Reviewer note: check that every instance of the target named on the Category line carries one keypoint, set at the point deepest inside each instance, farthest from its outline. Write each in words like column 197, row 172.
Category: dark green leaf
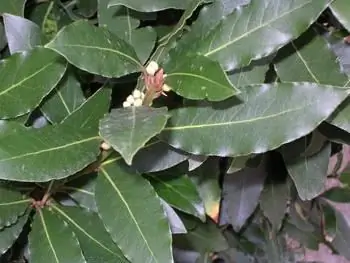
column 273, row 201
column 75, row 145
column 66, row 98
column 21, row 34
column 309, row 173
column 143, row 40
column 341, row 10
column 95, row 50
column 51, row 240
column 310, row 239
column 150, row 5
column 87, row 8
column 256, row 30
column 12, row 206
column 197, row 77
column 39, row 69
column 175, row 222
column 238, row 163
column 3, row 40
column 340, row 195
column 309, row 58
column 241, row 193
column 9, row 235
column 15, row 7
column 94, row 240
column 194, row 161
column 204, row 237
column 82, row 190
column 128, row 129
column 239, row 126
column 179, row 191
column 157, row 156
column 206, row 178
column 122, row 196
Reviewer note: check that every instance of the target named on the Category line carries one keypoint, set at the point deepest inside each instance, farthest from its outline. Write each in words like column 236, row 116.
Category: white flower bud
column 130, row 99
column 142, row 95
column 166, row 88
column 105, row 146
column 152, row 68
column 126, row 104
column 138, row 103
column 136, row 94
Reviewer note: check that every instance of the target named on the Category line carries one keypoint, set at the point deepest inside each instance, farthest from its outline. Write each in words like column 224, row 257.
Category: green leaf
column 309, row 58
column 95, row 50
column 238, row 163
column 12, row 206
column 255, row 31
column 178, row 190
column 22, row 154
column 206, row 179
column 143, row 40
column 66, row 98
column 128, row 129
column 175, row 222
column 51, row 240
column 121, row 196
column 341, row 10
column 309, row 239
column 203, row 237
column 15, row 7
column 273, row 201
column 157, row 156
column 241, row 193
column 9, row 235
column 3, row 40
column 39, row 69
column 238, row 126
column 150, row 5
column 340, row 195
column 309, row 173
column 87, row 8
column 194, row 161
column 197, row 77
column 22, row 34
column 82, row 191
column 94, row 240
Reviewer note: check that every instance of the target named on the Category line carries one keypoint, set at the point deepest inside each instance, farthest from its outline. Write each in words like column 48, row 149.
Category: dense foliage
column 167, row 131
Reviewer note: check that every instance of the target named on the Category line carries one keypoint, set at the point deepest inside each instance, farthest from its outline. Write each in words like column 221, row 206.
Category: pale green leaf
column 341, row 10
column 33, row 155
column 122, row 196
column 260, row 119
column 197, row 77
column 256, row 30
column 37, row 73
column 128, row 129
column 51, row 240
column 22, row 34
column 94, row 240
column 95, row 50
column 15, row 7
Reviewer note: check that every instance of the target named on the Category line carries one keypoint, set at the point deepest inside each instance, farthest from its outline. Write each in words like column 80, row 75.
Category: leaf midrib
column 254, row 29
column 47, row 235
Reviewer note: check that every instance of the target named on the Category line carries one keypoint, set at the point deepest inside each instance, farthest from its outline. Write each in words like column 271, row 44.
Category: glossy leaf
column 238, row 163
column 143, row 40
column 150, row 5
column 179, row 191
column 157, row 156
column 127, row 130
column 241, row 193
column 37, row 70
column 65, row 99
column 197, row 77
column 76, row 145
column 256, row 30
column 273, row 201
column 10, row 234
column 51, row 240
column 341, row 10
column 340, row 195
column 14, row 7
column 22, row 34
column 309, row 58
column 206, row 179
column 142, row 234
column 95, row 50
column 309, row 173
column 12, row 206
column 195, row 161
column 175, row 222
column 239, row 126
column 93, row 237
column 82, row 191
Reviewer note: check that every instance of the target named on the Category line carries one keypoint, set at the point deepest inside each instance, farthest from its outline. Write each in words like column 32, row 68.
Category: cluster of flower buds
column 153, row 69
column 135, row 99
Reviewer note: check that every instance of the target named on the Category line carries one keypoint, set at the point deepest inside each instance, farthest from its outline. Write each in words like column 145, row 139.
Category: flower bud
column 130, row 99
column 166, row 88
column 152, row 68
column 105, row 146
column 126, row 104
column 137, row 94
column 138, row 103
